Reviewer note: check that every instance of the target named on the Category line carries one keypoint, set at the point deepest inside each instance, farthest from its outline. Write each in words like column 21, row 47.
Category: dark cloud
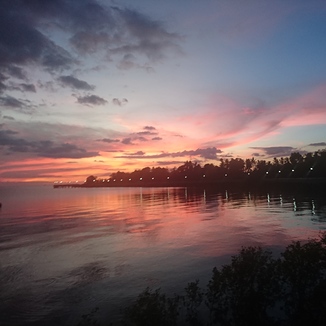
column 66, row 150
column 118, row 102
column 149, row 128
column 23, row 87
column 141, row 138
column 149, row 131
column 91, row 100
column 255, row 154
column 3, row 87
column 276, row 151
column 46, row 148
column 39, row 172
column 318, row 144
column 128, row 62
column 75, row 83
column 5, row 135
column 157, row 138
column 206, row 153
column 164, row 163
column 29, row 32
column 8, row 138
column 12, row 102
column 139, row 153
column 89, row 41
column 8, row 117
column 126, row 141
column 28, row 87
column 109, row 140
column 146, row 133
column 148, row 37
column 22, row 42
column 16, row 72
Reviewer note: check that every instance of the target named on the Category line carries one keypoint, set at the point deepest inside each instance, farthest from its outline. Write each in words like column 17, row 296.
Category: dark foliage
column 309, row 166
column 153, row 308
column 254, row 289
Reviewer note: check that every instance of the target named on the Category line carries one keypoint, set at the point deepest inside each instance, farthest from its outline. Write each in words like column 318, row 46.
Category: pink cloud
column 224, row 122
column 306, row 109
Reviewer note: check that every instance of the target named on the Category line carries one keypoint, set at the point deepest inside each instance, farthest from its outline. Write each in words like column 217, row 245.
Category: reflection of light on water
column 281, row 200
column 123, row 238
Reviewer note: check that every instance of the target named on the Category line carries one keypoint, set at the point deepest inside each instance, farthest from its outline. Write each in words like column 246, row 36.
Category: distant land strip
column 298, row 170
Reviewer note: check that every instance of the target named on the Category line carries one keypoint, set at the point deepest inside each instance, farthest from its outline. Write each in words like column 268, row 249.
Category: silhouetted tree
column 90, row 179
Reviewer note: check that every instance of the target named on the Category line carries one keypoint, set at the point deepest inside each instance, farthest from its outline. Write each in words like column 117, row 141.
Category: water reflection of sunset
column 124, row 239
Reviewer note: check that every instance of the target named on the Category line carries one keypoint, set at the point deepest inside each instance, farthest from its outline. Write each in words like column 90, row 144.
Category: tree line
column 310, row 165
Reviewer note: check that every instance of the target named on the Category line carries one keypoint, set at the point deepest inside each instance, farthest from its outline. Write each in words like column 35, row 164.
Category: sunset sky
column 97, row 86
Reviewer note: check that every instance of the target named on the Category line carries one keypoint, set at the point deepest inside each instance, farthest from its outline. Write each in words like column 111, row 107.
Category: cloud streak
column 206, row 153
column 91, row 100
column 321, row 144
column 276, row 151
column 75, row 83
column 43, row 148
column 118, row 102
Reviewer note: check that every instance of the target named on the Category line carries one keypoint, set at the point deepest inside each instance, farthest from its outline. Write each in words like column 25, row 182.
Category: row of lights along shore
column 114, row 180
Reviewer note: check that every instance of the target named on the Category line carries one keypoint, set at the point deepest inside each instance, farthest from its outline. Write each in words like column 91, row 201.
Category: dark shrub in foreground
column 254, row 289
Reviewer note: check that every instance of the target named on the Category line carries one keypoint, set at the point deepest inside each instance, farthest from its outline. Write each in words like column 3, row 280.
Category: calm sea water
column 64, row 252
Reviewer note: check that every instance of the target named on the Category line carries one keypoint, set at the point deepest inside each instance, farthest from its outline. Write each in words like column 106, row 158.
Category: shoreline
column 247, row 184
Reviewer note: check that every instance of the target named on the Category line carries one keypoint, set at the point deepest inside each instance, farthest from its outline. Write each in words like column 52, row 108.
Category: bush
column 254, row 289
